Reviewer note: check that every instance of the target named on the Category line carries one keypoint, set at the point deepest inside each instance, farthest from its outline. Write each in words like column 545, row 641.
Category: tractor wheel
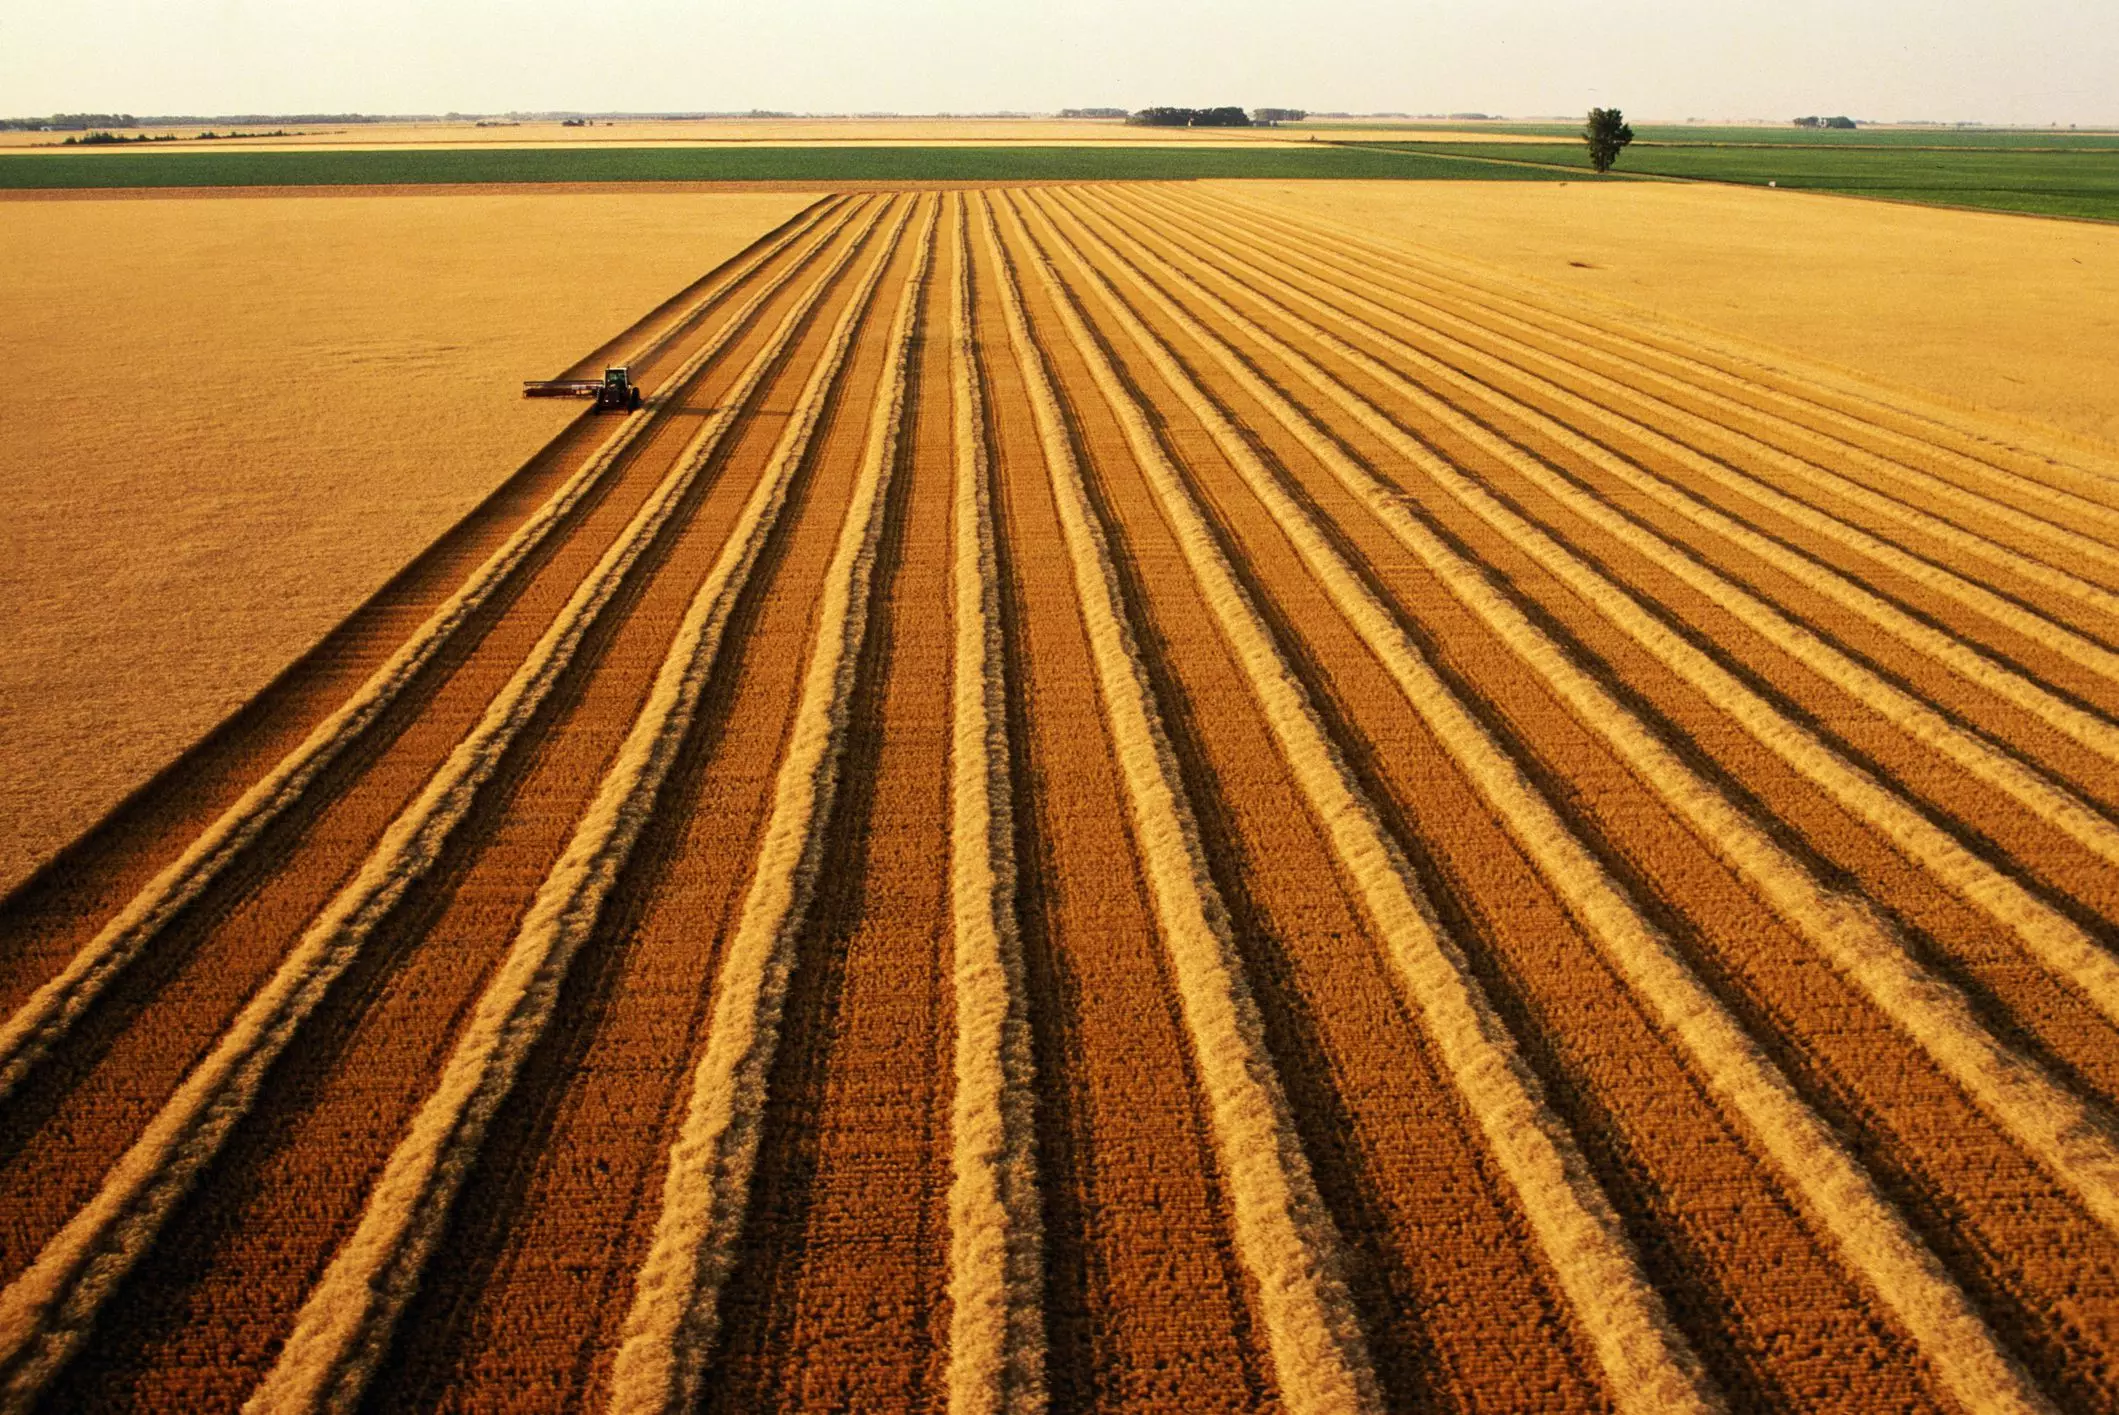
column 635, row 403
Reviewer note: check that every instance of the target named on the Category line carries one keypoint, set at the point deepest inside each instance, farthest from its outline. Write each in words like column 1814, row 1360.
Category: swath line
column 1647, row 1364
column 46, row 1312
column 676, row 1304
column 39, row 1023
column 996, row 1262
column 1869, row 1232
column 1284, row 1236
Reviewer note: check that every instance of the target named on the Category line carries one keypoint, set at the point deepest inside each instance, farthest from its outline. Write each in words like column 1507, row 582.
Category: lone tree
column 1606, row 132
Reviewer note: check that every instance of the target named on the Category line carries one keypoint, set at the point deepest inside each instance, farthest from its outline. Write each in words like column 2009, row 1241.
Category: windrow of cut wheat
column 1284, row 1236
column 42, row 1020
column 996, row 1269
column 1647, row 1362
column 706, row 1192
column 1842, row 1197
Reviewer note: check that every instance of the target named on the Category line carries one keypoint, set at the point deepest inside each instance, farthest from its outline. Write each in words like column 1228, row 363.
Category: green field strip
column 419, row 166
column 1688, row 135
column 2080, row 183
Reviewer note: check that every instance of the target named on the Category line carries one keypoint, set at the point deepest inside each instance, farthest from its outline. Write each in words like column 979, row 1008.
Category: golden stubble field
column 236, row 418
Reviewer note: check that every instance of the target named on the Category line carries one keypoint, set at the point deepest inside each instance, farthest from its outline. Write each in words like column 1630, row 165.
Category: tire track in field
column 38, row 1024
column 46, row 1310
column 676, row 1304
column 1898, row 1267
column 1647, row 1363
column 1857, row 411
column 1283, row 1233
column 2048, row 933
column 996, row 1333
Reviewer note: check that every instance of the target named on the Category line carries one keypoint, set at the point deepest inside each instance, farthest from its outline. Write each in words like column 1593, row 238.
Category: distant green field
column 1789, row 136
column 2044, row 182
column 266, row 168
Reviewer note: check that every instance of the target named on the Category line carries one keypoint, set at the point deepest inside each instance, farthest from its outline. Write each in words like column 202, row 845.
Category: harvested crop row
column 841, row 1297
column 2047, row 932
column 996, row 1332
column 1284, row 1236
column 37, row 1025
column 676, row 1303
column 1815, row 397
column 1646, row 1361
column 46, row 1311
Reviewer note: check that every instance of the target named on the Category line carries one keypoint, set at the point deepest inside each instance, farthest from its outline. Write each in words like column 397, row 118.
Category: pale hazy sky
column 2030, row 61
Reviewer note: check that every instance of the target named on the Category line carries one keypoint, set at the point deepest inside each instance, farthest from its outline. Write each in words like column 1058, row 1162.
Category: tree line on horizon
column 1230, row 117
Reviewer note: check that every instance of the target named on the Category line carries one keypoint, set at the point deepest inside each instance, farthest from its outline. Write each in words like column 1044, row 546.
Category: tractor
column 616, row 391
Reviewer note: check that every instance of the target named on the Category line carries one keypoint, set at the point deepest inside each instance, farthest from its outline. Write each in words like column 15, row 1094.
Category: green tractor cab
column 619, row 390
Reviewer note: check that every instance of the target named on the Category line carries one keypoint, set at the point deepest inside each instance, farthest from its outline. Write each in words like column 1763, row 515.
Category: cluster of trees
column 73, row 122
column 1190, row 118
column 100, row 136
column 1194, row 117
column 1843, row 121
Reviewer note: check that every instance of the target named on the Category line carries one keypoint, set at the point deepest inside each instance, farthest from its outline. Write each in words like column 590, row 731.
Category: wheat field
column 1128, row 797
